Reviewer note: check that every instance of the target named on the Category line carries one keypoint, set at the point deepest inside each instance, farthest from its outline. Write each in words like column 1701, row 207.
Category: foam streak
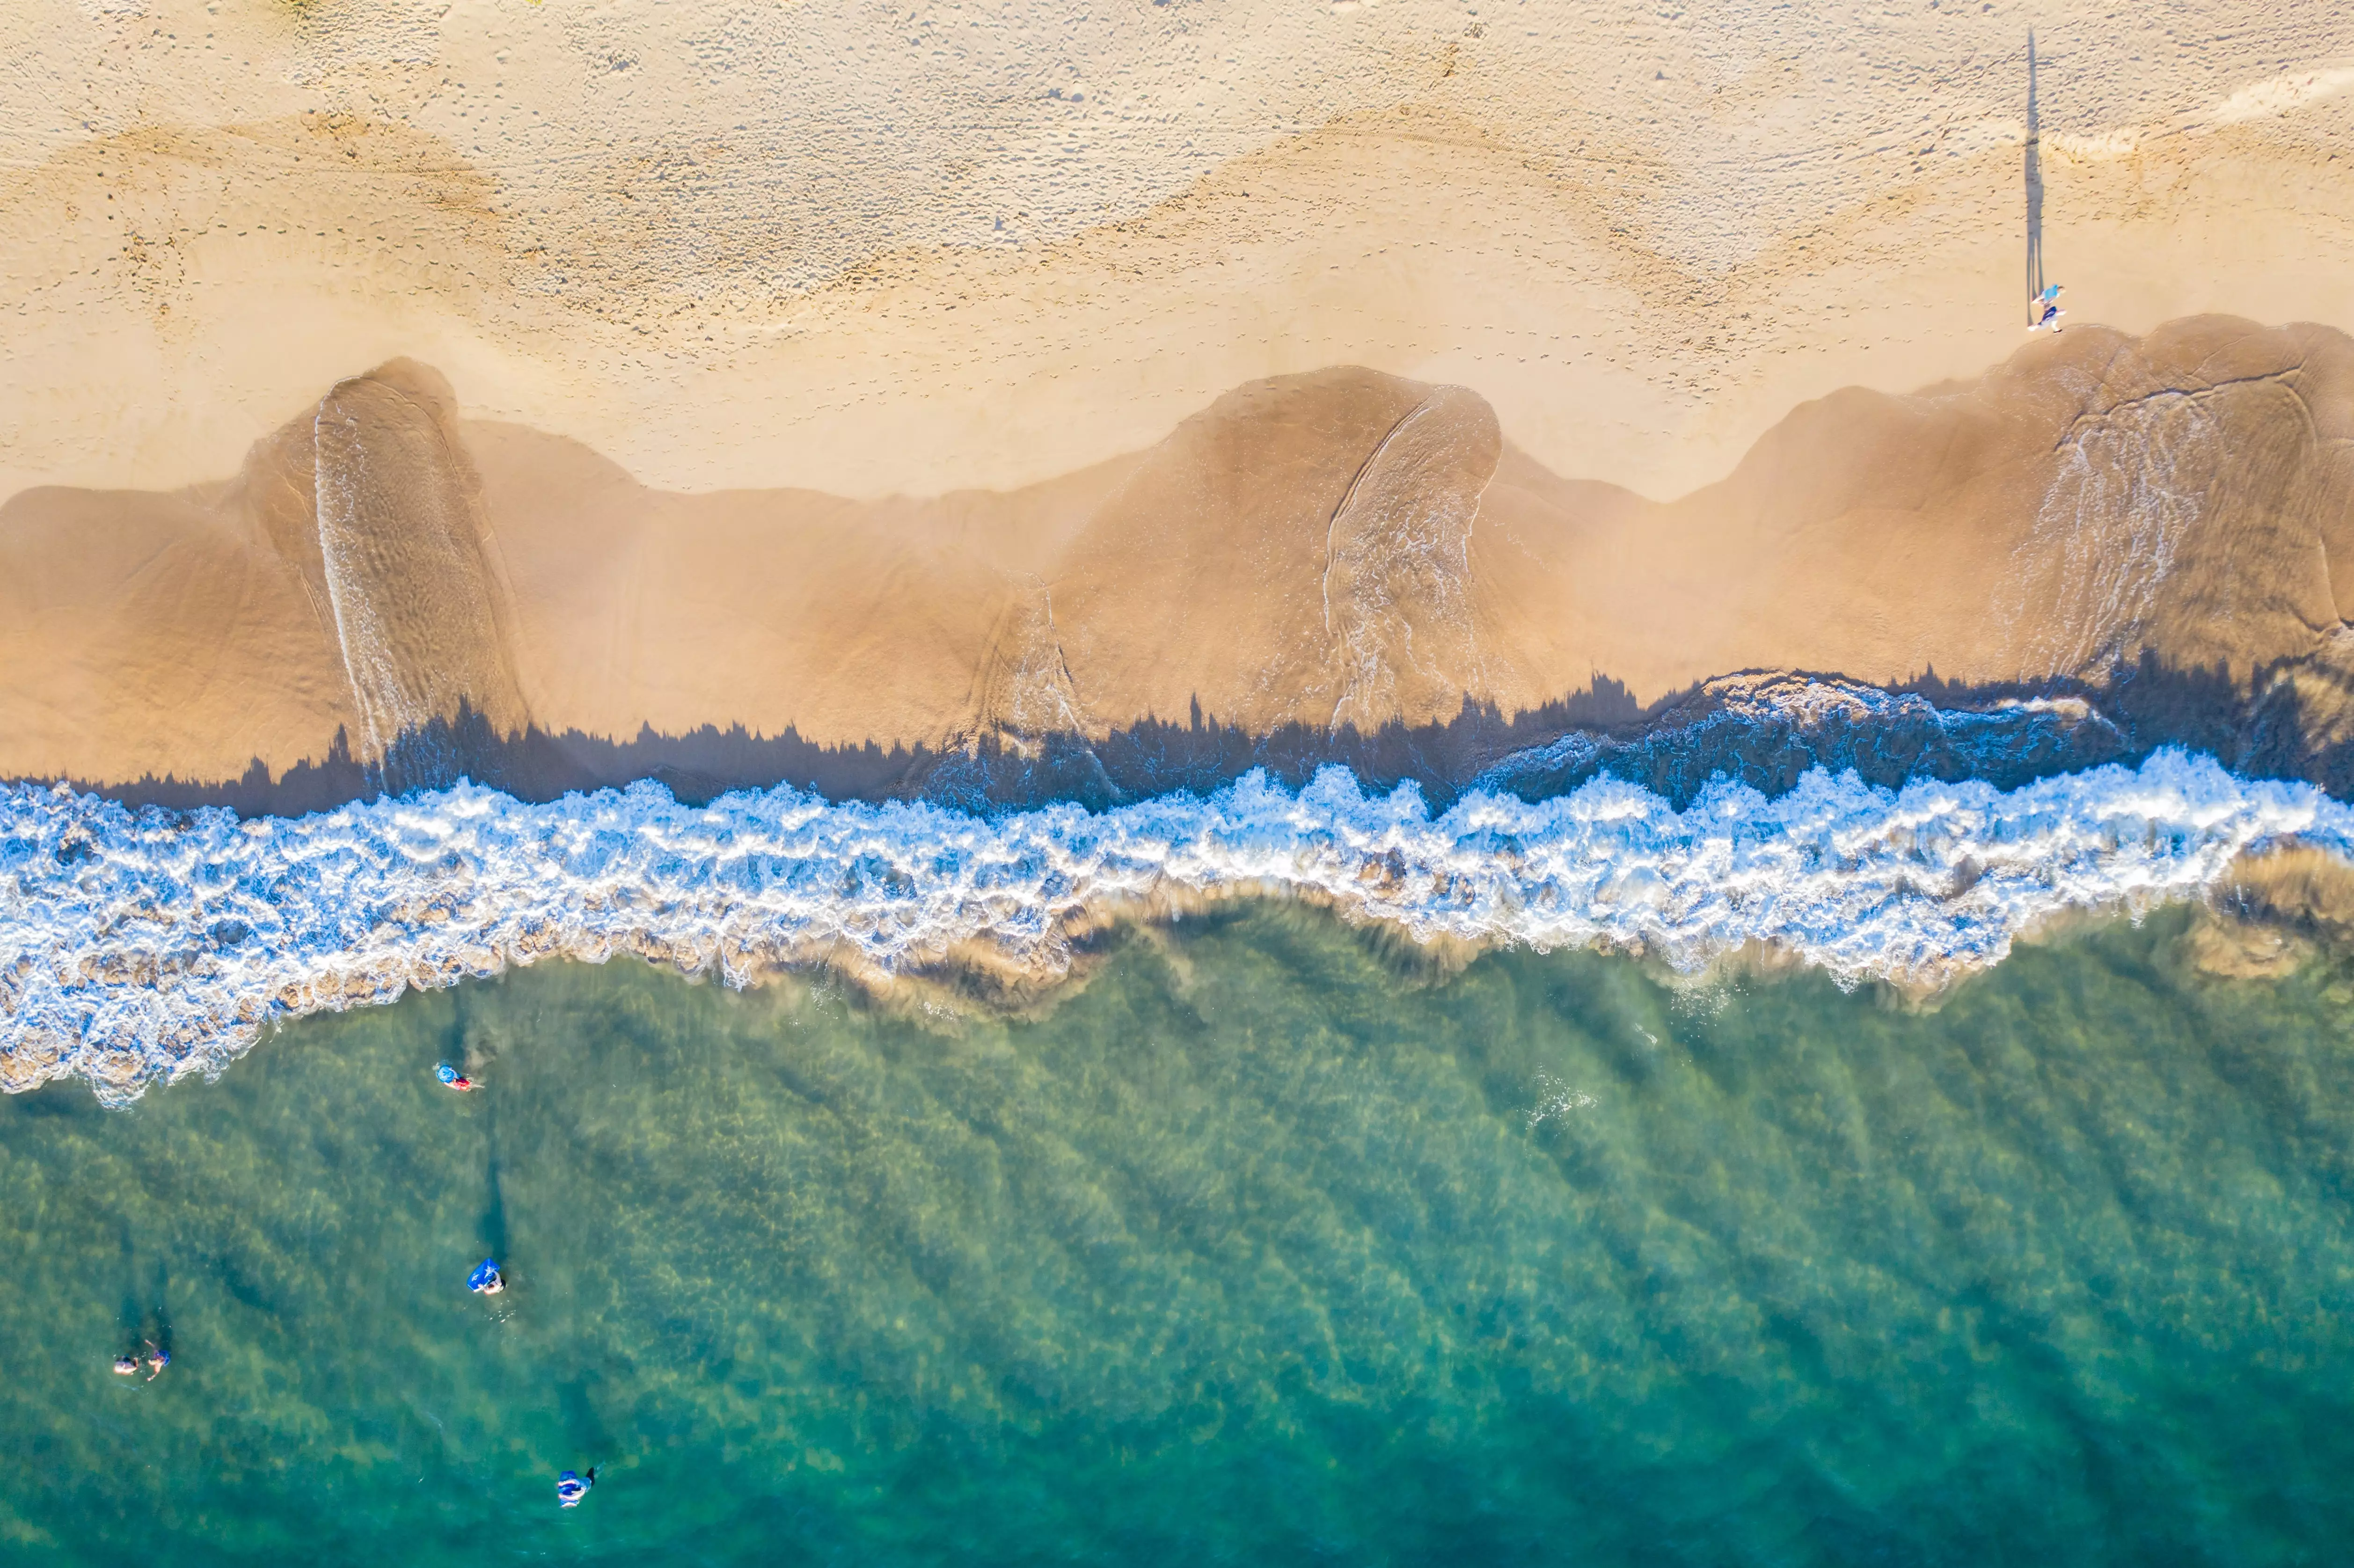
column 142, row 947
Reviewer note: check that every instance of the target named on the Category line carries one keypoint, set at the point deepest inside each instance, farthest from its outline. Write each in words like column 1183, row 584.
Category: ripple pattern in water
column 1254, row 1250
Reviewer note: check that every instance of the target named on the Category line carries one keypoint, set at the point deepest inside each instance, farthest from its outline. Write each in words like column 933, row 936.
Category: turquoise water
column 1260, row 1249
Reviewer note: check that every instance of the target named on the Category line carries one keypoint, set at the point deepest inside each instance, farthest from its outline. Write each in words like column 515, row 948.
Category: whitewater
column 139, row 946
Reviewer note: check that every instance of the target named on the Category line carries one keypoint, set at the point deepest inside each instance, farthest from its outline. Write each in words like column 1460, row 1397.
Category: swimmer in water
column 485, row 1279
column 570, row 1489
column 158, row 1359
column 453, row 1078
column 124, row 1365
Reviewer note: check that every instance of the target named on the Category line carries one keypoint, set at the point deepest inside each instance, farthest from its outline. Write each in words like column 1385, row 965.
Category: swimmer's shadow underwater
column 145, row 1318
column 489, row 1278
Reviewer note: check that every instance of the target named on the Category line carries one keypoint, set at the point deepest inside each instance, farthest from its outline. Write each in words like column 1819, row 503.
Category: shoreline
column 158, row 945
column 1762, row 729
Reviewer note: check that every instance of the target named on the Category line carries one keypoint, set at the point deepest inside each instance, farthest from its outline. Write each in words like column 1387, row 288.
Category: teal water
column 1258, row 1249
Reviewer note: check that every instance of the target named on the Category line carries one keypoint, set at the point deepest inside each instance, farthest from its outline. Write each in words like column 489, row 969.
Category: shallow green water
column 1254, row 1251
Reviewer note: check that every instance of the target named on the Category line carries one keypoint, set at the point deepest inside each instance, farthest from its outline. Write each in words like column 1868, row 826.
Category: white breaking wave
column 142, row 947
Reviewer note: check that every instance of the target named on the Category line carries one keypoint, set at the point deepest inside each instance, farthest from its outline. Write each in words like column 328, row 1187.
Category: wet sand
column 1310, row 555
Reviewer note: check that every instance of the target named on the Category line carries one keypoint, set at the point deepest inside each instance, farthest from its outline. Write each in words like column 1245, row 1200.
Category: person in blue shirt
column 570, row 1489
column 2047, row 308
column 485, row 1280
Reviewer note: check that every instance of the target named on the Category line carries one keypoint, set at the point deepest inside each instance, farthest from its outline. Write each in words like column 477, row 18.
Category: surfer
column 485, row 1280
column 570, row 1487
column 453, row 1078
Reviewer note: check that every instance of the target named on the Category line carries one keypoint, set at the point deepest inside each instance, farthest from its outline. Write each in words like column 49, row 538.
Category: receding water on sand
column 1253, row 1250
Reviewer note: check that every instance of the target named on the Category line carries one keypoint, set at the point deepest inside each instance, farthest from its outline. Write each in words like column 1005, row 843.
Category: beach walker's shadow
column 2034, row 182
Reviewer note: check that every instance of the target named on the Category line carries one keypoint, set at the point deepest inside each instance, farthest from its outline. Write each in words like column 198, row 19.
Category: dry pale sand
column 916, row 374
column 872, row 250
column 1339, row 549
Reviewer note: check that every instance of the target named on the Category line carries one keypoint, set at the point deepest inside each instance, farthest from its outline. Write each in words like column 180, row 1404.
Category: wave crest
column 144, row 947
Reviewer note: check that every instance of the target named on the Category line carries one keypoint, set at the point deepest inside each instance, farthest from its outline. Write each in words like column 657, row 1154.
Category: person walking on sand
column 2048, row 312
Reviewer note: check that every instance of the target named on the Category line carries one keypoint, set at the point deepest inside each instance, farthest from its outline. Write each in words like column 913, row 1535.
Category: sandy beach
column 1317, row 366
column 1340, row 550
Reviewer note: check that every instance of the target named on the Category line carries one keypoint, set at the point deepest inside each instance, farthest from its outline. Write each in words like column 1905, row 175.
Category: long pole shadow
column 2034, row 189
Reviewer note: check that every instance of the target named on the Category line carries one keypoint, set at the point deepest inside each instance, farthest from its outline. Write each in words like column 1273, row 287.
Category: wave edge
column 144, row 947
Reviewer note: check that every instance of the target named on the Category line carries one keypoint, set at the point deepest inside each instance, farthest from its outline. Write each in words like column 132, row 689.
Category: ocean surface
column 1271, row 1241
column 1261, row 1176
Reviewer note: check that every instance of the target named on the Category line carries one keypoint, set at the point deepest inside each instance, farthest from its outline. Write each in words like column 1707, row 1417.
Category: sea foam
column 139, row 946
